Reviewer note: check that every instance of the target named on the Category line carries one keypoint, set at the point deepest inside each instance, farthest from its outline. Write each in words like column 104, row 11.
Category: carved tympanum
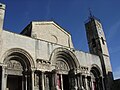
column 14, row 65
column 61, row 65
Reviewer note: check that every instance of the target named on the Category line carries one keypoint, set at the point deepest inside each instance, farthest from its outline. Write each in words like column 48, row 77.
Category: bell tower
column 2, row 14
column 98, row 46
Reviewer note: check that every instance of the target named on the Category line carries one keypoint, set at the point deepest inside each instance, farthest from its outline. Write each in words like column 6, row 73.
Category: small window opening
column 93, row 42
column 102, row 41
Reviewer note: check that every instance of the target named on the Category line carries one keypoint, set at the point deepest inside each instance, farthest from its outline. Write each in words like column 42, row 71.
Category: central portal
column 14, row 82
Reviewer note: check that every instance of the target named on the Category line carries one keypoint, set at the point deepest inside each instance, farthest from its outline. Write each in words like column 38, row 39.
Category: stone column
column 102, row 83
column 33, row 80
column 23, row 83
column 92, row 86
column 43, row 83
column 79, row 81
column 89, row 83
column 73, row 83
column 26, row 82
column 86, row 82
column 54, row 80
column 61, row 81
column 76, row 85
column 37, row 80
column 4, row 79
column 25, row 79
column 47, row 79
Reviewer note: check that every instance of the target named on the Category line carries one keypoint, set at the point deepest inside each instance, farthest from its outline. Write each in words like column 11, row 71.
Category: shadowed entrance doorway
column 65, row 82
column 14, row 82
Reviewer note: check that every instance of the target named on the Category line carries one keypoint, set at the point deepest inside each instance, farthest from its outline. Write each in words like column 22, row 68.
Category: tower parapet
column 2, row 14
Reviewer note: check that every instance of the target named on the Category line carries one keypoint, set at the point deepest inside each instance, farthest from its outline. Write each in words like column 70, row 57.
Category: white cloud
column 116, row 73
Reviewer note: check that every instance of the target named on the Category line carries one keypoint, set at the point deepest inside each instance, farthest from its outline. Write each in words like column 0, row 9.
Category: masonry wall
column 42, row 50
column 11, row 40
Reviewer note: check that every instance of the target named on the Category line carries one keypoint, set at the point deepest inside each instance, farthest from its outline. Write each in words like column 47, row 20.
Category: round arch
column 64, row 54
column 96, row 68
column 96, row 78
column 20, row 54
column 19, row 69
column 66, row 65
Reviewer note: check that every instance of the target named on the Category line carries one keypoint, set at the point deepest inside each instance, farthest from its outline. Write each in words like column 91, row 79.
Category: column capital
column 33, row 69
column 4, row 66
column 79, row 73
column 42, row 71
column 101, row 76
column 84, row 75
column 54, row 71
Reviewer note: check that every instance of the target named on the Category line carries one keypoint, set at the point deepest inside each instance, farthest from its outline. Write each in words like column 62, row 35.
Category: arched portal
column 18, row 70
column 66, row 65
column 96, row 79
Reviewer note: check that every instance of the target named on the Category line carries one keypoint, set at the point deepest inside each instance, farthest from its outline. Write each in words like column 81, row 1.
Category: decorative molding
column 84, row 70
column 65, row 53
column 43, row 65
column 22, row 52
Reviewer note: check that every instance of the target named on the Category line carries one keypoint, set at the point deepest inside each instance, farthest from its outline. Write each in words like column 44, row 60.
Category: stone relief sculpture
column 15, row 65
column 36, row 80
column 61, row 65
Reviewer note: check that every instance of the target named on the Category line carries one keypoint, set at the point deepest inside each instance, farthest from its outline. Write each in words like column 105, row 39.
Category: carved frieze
column 43, row 65
column 84, row 69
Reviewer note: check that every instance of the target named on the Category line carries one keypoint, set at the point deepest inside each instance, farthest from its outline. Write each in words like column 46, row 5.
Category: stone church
column 42, row 57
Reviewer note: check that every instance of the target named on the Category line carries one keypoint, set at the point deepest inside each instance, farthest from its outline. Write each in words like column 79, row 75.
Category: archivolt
column 64, row 54
column 18, row 52
column 96, row 68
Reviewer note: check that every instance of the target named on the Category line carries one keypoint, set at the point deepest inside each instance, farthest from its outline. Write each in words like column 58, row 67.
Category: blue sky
column 71, row 15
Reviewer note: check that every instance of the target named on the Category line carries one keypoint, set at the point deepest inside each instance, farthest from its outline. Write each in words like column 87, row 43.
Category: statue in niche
column 36, row 80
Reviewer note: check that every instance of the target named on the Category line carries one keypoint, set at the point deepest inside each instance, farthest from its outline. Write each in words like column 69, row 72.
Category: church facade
column 42, row 57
